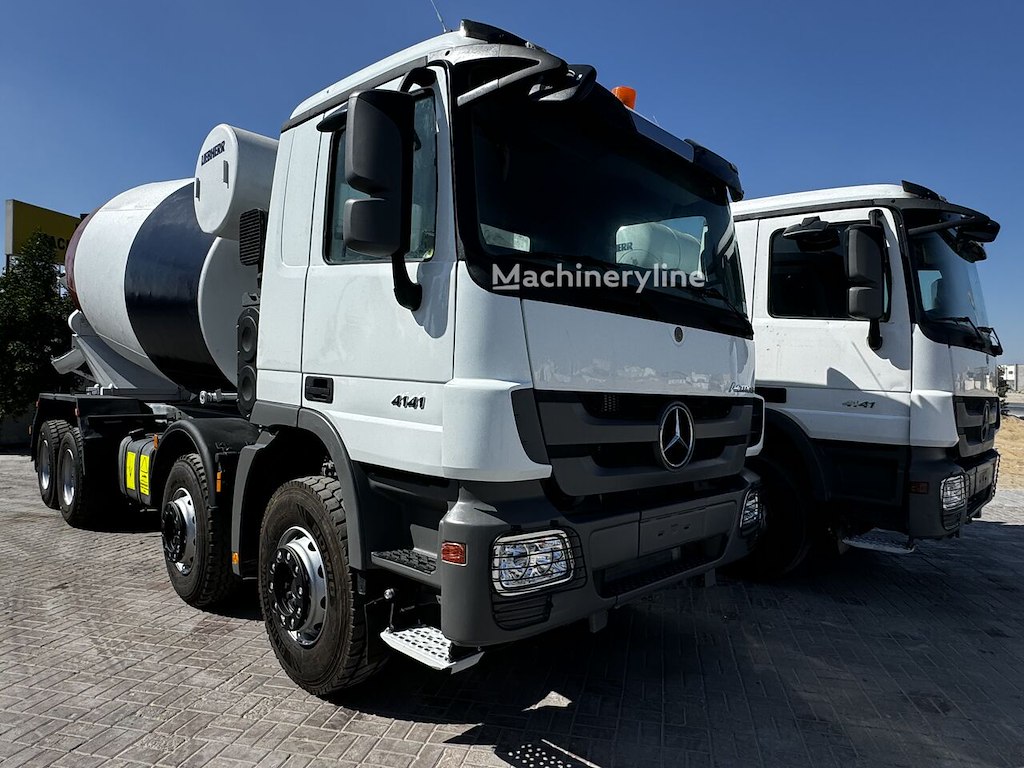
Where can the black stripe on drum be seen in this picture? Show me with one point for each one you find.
(161, 290)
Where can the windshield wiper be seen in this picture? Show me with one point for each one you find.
(710, 292)
(991, 331)
(979, 330)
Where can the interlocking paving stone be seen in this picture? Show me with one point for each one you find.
(891, 661)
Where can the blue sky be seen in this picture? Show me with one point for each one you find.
(99, 97)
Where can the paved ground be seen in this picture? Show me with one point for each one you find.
(890, 661)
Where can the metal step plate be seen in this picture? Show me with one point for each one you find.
(410, 558)
(428, 646)
(882, 541)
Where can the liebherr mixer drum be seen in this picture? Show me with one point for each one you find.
(159, 289)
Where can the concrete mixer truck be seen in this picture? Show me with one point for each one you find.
(461, 357)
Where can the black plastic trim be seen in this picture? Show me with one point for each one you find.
(211, 438)
(772, 394)
(524, 410)
(266, 413)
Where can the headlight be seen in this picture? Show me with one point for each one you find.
(753, 511)
(531, 561)
(954, 492)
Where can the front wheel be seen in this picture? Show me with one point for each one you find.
(788, 531)
(195, 538)
(313, 614)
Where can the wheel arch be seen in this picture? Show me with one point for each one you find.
(50, 408)
(786, 444)
(216, 440)
(283, 452)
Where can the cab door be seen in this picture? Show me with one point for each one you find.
(374, 368)
(814, 361)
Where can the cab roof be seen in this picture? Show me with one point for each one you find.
(779, 204)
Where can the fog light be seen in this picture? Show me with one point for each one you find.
(753, 510)
(954, 492)
(531, 561)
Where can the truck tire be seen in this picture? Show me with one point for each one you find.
(788, 531)
(197, 551)
(313, 614)
(47, 452)
(77, 506)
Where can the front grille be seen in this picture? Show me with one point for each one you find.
(976, 434)
(608, 443)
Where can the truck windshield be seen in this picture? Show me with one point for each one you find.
(573, 205)
(948, 288)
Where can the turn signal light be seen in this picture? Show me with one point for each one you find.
(626, 95)
(453, 552)
(918, 486)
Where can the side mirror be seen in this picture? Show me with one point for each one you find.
(865, 272)
(379, 140)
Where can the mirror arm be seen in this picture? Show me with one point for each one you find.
(966, 221)
(874, 335)
(408, 293)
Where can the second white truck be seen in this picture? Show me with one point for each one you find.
(877, 364)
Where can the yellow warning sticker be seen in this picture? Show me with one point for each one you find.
(144, 475)
(129, 471)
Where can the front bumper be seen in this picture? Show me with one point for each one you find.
(617, 557)
(928, 468)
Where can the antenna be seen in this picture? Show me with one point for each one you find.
(443, 25)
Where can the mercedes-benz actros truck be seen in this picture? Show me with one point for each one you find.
(461, 356)
(877, 362)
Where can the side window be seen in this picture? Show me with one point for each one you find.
(809, 282)
(424, 192)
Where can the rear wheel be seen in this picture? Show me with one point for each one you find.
(73, 493)
(47, 453)
(788, 529)
(313, 614)
(197, 552)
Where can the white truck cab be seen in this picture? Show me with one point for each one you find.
(877, 364)
(428, 375)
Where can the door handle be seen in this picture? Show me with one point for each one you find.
(319, 389)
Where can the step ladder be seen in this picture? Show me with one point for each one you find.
(882, 541)
(428, 646)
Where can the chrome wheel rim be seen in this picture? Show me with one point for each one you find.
(178, 531)
(297, 586)
(44, 465)
(67, 477)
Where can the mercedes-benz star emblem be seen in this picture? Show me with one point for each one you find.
(675, 436)
(986, 422)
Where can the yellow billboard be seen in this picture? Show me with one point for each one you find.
(24, 220)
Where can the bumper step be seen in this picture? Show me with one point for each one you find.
(882, 541)
(410, 558)
(428, 646)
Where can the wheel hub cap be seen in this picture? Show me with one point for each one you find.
(44, 465)
(297, 587)
(67, 478)
(178, 531)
